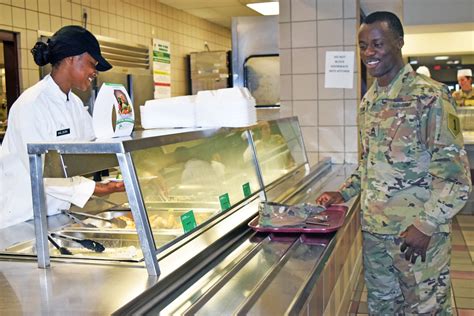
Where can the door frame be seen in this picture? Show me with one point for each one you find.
(12, 69)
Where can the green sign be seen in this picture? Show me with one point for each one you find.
(246, 189)
(188, 221)
(225, 202)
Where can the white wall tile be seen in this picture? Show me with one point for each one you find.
(31, 39)
(307, 112)
(285, 61)
(331, 139)
(285, 87)
(18, 3)
(328, 93)
(76, 12)
(313, 158)
(330, 33)
(55, 23)
(304, 87)
(31, 5)
(32, 20)
(350, 8)
(337, 158)
(303, 34)
(350, 31)
(285, 11)
(331, 113)
(352, 93)
(43, 6)
(352, 158)
(44, 22)
(350, 112)
(303, 10)
(285, 35)
(23, 58)
(351, 139)
(310, 137)
(18, 17)
(322, 56)
(66, 9)
(5, 15)
(55, 7)
(304, 60)
(329, 9)
(286, 109)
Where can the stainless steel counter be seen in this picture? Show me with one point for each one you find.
(244, 269)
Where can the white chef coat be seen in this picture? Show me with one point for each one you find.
(43, 113)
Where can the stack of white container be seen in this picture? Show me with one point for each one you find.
(232, 107)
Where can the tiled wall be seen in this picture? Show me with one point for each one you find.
(309, 28)
(135, 21)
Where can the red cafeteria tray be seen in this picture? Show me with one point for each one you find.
(336, 213)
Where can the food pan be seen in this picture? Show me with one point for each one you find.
(119, 246)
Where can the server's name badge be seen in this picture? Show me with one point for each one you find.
(63, 132)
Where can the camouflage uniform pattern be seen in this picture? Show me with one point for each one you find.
(423, 288)
(413, 169)
(463, 98)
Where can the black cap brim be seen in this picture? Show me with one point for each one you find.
(102, 64)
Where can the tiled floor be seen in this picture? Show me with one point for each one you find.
(462, 269)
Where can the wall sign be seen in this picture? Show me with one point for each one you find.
(162, 68)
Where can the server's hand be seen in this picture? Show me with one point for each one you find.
(415, 244)
(328, 198)
(102, 189)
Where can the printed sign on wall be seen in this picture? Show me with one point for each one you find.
(339, 70)
(162, 68)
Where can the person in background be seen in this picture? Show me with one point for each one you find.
(423, 70)
(464, 96)
(50, 112)
(413, 178)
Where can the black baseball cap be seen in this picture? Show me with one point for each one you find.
(74, 40)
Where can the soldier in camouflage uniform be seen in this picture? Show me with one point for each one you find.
(413, 177)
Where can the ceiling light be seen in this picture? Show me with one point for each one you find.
(441, 58)
(265, 8)
(414, 62)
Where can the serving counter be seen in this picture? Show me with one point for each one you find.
(186, 247)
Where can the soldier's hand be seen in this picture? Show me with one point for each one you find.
(415, 244)
(328, 198)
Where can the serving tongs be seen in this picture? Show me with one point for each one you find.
(120, 223)
(77, 220)
(62, 250)
(86, 243)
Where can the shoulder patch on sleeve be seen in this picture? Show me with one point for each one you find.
(454, 124)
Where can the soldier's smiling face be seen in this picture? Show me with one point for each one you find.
(380, 51)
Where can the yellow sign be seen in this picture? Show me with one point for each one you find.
(453, 124)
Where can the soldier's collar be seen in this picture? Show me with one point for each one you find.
(392, 90)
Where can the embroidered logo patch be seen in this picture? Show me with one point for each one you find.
(453, 124)
(63, 132)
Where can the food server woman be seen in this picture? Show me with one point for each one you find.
(49, 112)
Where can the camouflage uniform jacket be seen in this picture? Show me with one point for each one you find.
(413, 169)
(464, 98)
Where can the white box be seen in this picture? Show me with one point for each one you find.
(168, 113)
(231, 107)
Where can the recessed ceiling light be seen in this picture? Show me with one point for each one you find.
(441, 58)
(265, 8)
(414, 62)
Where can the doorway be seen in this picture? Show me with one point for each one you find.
(9, 73)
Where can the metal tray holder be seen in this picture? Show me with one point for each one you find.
(71, 159)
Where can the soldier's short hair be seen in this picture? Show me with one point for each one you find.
(385, 16)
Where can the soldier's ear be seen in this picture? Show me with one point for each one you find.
(401, 42)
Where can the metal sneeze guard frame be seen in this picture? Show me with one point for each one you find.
(122, 148)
